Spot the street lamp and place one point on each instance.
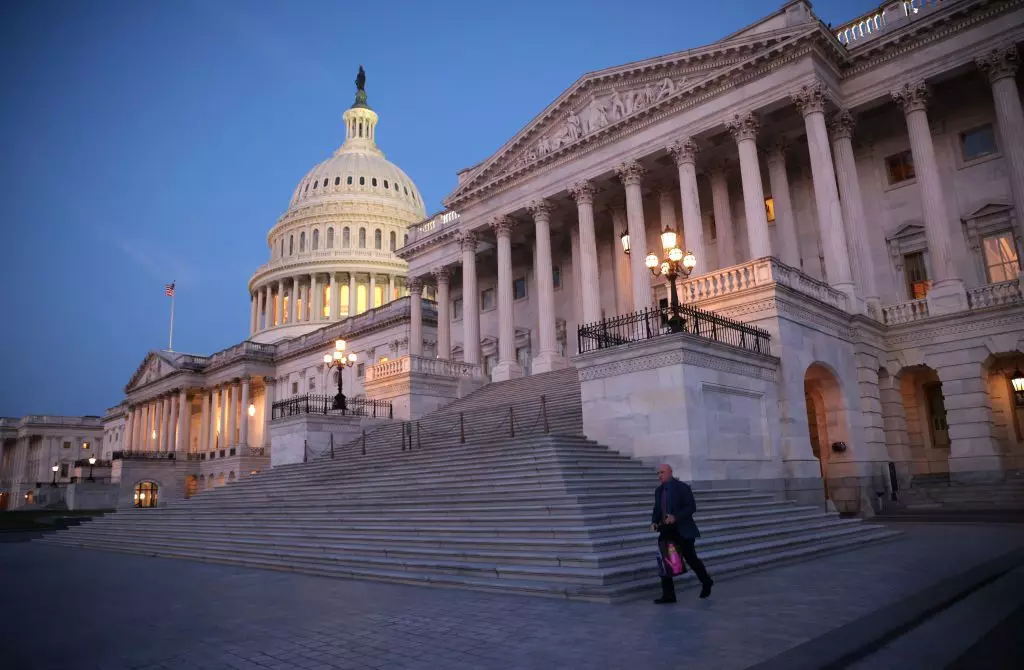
(1018, 386)
(54, 469)
(338, 359)
(92, 464)
(674, 264)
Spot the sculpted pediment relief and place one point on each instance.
(154, 367)
(609, 99)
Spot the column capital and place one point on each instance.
(541, 207)
(777, 150)
(414, 285)
(719, 167)
(502, 225)
(442, 275)
(268, 380)
(684, 150)
(842, 124)
(912, 96)
(811, 98)
(743, 127)
(999, 63)
(583, 192)
(630, 173)
(467, 241)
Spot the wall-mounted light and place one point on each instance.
(1017, 379)
(624, 238)
(252, 409)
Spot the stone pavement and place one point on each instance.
(68, 608)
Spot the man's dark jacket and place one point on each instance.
(679, 502)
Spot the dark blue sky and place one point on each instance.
(145, 142)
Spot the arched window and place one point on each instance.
(377, 239)
(330, 238)
(337, 181)
(291, 245)
(405, 240)
(362, 238)
(373, 182)
(316, 239)
(315, 184)
(302, 241)
(325, 182)
(146, 494)
(394, 239)
(362, 181)
(344, 238)
(385, 183)
(349, 180)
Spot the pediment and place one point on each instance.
(907, 230)
(154, 367)
(992, 209)
(602, 102)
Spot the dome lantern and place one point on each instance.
(360, 121)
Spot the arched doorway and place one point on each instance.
(826, 416)
(924, 406)
(146, 494)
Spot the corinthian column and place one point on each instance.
(1001, 66)
(548, 358)
(334, 291)
(725, 241)
(810, 100)
(631, 174)
(507, 367)
(684, 152)
(268, 408)
(415, 316)
(744, 131)
(279, 303)
(443, 278)
(184, 421)
(787, 242)
(947, 293)
(470, 301)
(228, 423)
(583, 193)
(204, 420)
(253, 310)
(243, 422)
(853, 211)
(293, 301)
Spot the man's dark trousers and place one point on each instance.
(669, 533)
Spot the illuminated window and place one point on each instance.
(916, 272)
(978, 142)
(146, 494)
(67, 445)
(85, 445)
(1001, 260)
(487, 299)
(899, 167)
(325, 300)
(769, 209)
(361, 295)
(519, 288)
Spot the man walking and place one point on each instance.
(674, 507)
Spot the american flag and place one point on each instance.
(169, 290)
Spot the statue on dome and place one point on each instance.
(360, 89)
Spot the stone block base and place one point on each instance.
(549, 362)
(947, 297)
(505, 371)
(293, 438)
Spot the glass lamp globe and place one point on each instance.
(352, 357)
(54, 468)
(625, 241)
(252, 409)
(339, 345)
(327, 359)
(92, 460)
(651, 261)
(689, 260)
(668, 238)
(664, 268)
(675, 254)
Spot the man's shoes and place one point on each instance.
(664, 601)
(705, 589)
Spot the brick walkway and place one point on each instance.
(87, 609)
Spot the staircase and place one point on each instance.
(479, 497)
(937, 495)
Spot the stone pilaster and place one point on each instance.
(787, 241)
(744, 129)
(947, 294)
(974, 450)
(583, 193)
(507, 367)
(684, 152)
(444, 319)
(811, 100)
(725, 242)
(415, 316)
(631, 173)
(470, 301)
(268, 406)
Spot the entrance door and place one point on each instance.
(815, 428)
(937, 415)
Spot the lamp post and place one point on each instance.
(92, 464)
(1017, 380)
(674, 264)
(54, 469)
(339, 359)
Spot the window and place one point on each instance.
(712, 228)
(146, 494)
(362, 238)
(85, 445)
(295, 388)
(769, 209)
(378, 239)
(405, 239)
(556, 276)
(456, 309)
(519, 288)
(900, 167)
(63, 470)
(345, 237)
(385, 183)
(307, 188)
(302, 241)
(337, 181)
(348, 180)
(312, 383)
(330, 238)
(67, 445)
(282, 247)
(393, 240)
(406, 190)
(361, 370)
(1001, 261)
(291, 245)
(917, 276)
(487, 299)
(315, 184)
(325, 182)
(316, 239)
(373, 182)
(978, 142)
(362, 181)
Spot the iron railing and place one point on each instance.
(650, 323)
(142, 455)
(324, 404)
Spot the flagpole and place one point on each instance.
(170, 342)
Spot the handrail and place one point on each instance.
(311, 403)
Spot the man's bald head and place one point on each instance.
(664, 472)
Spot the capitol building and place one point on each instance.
(852, 321)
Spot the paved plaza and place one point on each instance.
(86, 609)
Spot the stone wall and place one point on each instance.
(168, 474)
(292, 437)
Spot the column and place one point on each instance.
(548, 358)
(243, 422)
(184, 421)
(684, 152)
(631, 174)
(391, 289)
(444, 319)
(574, 252)
(947, 294)
(261, 308)
(725, 242)
(212, 435)
(810, 100)
(507, 367)
(470, 301)
(204, 420)
(415, 317)
(973, 446)
(1001, 66)
(229, 411)
(787, 242)
(172, 424)
(268, 406)
(334, 296)
(137, 430)
(279, 303)
(853, 212)
(620, 261)
(590, 285)
(353, 302)
(744, 130)
(316, 310)
(160, 443)
(293, 301)
(371, 298)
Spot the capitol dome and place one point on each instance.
(332, 251)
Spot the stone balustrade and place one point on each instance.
(994, 295)
(905, 312)
(48, 419)
(245, 349)
(432, 225)
(421, 364)
(754, 274)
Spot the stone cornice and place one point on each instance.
(934, 330)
